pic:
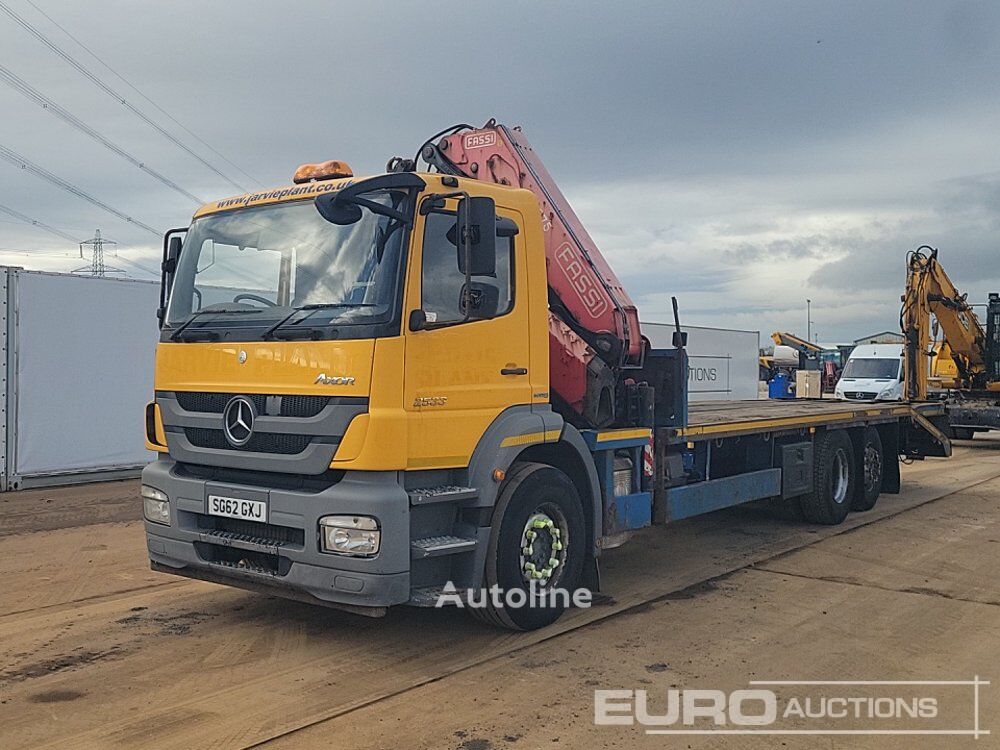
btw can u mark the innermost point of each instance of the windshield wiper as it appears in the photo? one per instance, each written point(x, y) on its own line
point(270, 333)
point(220, 308)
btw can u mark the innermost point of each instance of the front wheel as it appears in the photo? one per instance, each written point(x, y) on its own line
point(537, 544)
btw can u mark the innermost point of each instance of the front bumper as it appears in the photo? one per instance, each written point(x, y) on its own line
point(283, 557)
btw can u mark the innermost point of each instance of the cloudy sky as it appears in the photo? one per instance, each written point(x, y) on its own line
point(743, 156)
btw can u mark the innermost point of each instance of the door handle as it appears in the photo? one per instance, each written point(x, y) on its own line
point(514, 371)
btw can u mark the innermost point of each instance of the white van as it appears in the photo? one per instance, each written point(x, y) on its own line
point(874, 372)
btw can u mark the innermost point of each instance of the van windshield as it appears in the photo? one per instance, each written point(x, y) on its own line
point(876, 369)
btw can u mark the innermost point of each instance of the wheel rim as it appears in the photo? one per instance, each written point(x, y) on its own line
point(840, 476)
point(873, 467)
point(544, 543)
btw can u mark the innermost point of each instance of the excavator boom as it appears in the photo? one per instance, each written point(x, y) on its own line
point(929, 291)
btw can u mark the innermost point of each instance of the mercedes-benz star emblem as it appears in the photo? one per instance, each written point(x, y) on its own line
point(241, 357)
point(237, 420)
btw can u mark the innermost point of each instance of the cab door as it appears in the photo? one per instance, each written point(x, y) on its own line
point(461, 373)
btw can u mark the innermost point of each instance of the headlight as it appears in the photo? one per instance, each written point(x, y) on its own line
point(155, 506)
point(350, 535)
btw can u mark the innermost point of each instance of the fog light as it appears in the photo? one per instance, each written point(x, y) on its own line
point(155, 506)
point(350, 535)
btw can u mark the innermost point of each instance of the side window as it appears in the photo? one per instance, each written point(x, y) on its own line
point(442, 282)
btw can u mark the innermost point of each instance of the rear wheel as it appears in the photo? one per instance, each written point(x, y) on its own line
point(829, 502)
point(537, 543)
point(873, 463)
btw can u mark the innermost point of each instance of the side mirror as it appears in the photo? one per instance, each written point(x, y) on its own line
point(174, 245)
point(338, 212)
point(418, 320)
point(479, 301)
point(506, 227)
point(477, 237)
point(173, 241)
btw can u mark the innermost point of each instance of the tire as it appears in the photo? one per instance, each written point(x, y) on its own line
point(963, 433)
point(540, 499)
point(873, 469)
point(829, 502)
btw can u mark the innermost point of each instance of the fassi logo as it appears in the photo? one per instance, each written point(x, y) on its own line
point(481, 139)
point(582, 280)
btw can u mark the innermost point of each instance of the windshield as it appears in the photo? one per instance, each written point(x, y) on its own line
point(279, 258)
point(877, 369)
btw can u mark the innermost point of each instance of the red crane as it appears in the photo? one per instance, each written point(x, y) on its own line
point(594, 336)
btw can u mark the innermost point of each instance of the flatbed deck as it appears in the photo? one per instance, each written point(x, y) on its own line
point(716, 419)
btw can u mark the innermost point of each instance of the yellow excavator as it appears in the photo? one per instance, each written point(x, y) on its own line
point(944, 371)
point(966, 361)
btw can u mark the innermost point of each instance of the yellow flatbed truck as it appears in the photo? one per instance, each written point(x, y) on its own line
point(373, 391)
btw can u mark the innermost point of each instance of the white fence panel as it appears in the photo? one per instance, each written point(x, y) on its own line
point(723, 363)
point(82, 357)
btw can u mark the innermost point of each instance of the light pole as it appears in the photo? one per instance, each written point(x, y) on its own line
point(809, 320)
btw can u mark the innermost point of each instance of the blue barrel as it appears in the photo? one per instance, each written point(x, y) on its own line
point(780, 386)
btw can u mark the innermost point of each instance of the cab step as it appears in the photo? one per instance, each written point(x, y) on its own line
point(433, 546)
point(443, 494)
point(429, 595)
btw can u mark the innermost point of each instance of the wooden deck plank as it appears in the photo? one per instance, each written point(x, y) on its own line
point(740, 411)
point(730, 418)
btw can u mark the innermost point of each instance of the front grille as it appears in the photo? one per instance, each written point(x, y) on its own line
point(860, 395)
point(303, 406)
point(259, 442)
point(252, 531)
point(271, 479)
point(290, 406)
point(241, 559)
point(215, 403)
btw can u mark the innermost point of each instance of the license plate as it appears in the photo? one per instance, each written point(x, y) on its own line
point(235, 507)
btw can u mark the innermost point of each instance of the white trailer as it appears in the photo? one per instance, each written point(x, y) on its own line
point(77, 374)
point(723, 363)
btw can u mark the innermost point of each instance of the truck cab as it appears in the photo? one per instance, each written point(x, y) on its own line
point(339, 391)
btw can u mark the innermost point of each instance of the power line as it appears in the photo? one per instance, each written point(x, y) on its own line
point(19, 161)
point(59, 233)
point(34, 253)
point(26, 90)
point(34, 222)
point(141, 267)
point(112, 93)
point(156, 106)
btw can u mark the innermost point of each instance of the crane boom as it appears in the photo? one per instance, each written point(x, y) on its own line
point(783, 338)
point(594, 332)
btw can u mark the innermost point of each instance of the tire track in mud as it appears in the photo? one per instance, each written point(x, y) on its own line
point(693, 590)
